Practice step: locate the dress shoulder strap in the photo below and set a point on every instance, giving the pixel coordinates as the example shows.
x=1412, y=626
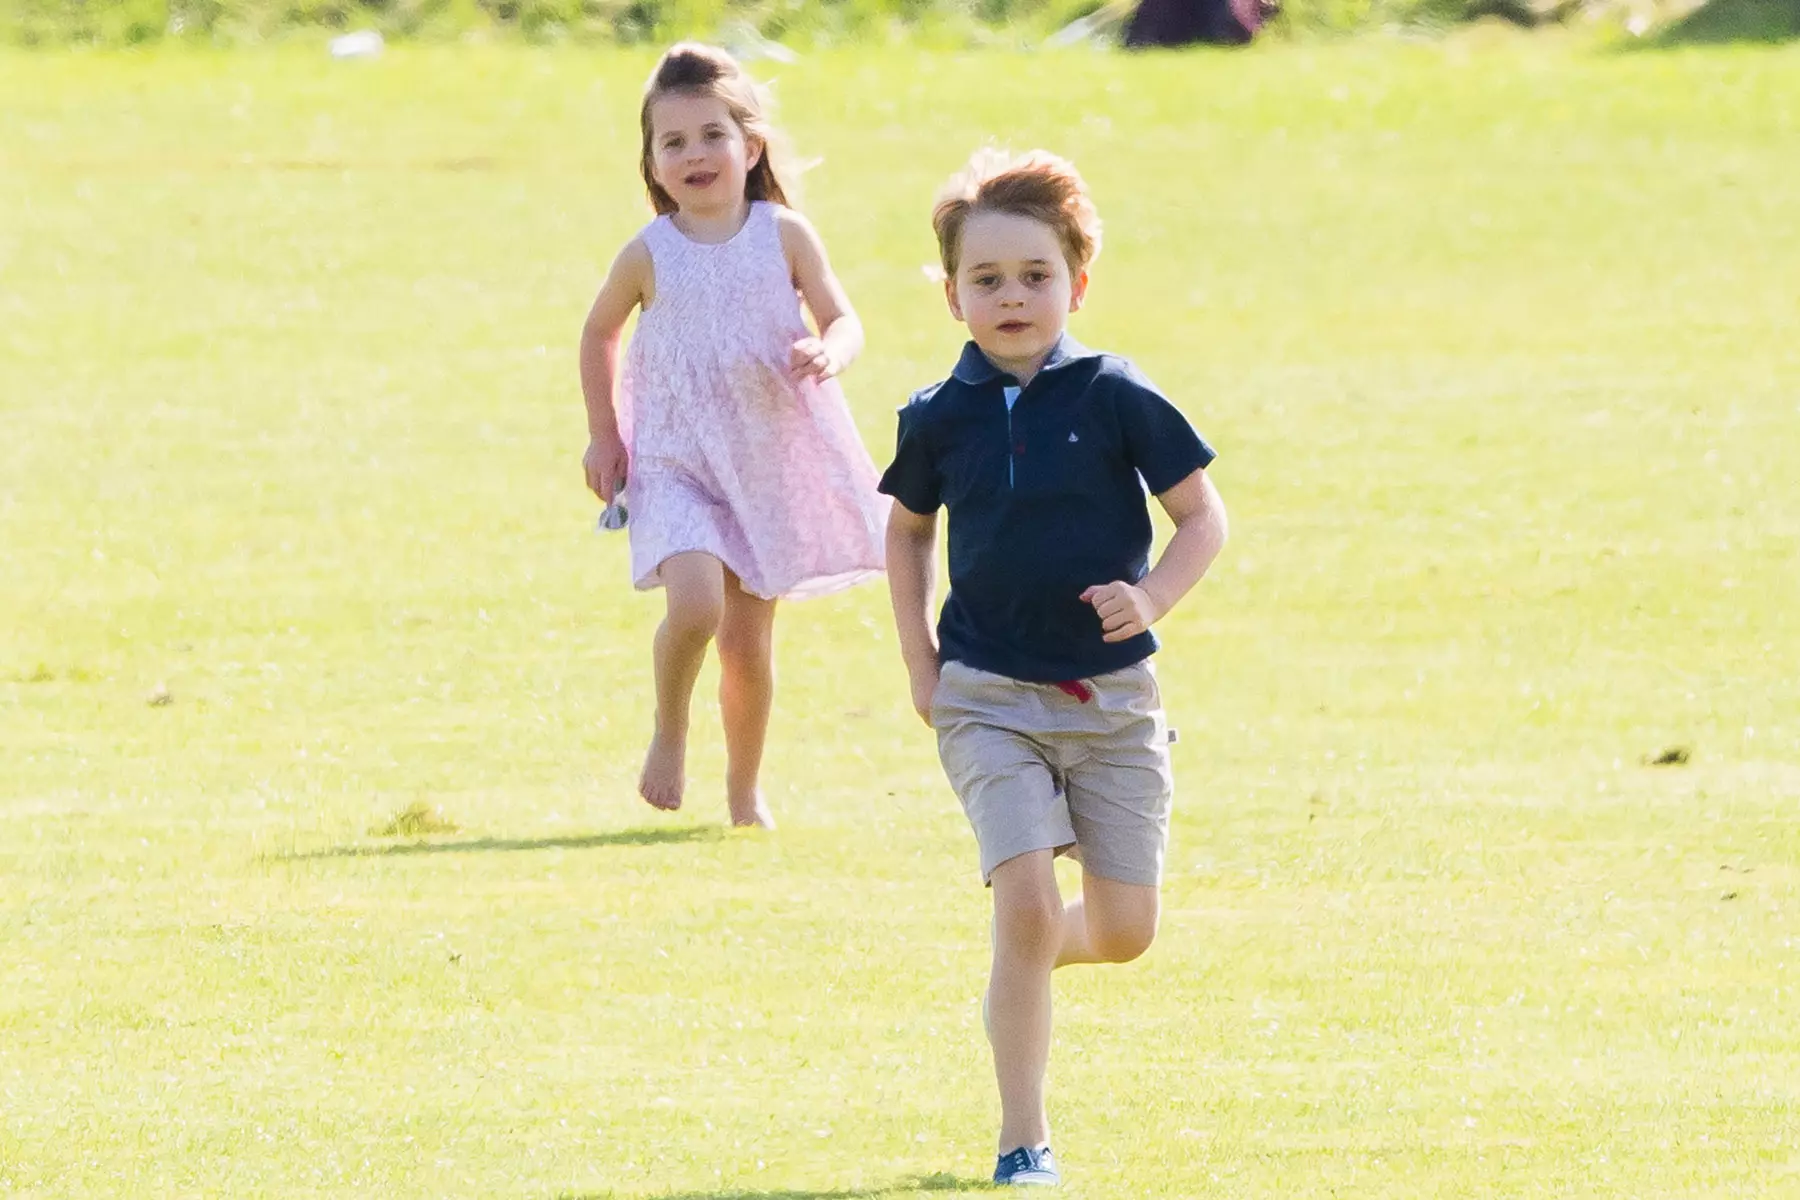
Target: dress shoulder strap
x=765, y=216
x=769, y=213
x=662, y=237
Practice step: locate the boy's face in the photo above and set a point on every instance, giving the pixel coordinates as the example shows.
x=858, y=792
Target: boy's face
x=1013, y=288
x=698, y=153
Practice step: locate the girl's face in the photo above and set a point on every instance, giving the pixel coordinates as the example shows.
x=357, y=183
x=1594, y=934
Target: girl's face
x=1013, y=287
x=698, y=152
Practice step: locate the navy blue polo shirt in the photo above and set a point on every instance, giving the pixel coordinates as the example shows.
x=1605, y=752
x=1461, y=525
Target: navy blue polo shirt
x=1047, y=497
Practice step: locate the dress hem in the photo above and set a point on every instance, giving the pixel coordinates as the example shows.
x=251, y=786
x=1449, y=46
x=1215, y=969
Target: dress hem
x=807, y=588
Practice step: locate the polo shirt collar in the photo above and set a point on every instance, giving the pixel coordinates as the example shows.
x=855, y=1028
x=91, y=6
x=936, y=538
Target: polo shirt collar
x=974, y=367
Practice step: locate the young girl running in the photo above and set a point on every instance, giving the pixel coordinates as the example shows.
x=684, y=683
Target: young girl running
x=748, y=482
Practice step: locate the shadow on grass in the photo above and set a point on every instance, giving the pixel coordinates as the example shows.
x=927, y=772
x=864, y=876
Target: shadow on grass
x=648, y=836
x=920, y=1183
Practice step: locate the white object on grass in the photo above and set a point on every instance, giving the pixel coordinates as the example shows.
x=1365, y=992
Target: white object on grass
x=1098, y=28
x=365, y=43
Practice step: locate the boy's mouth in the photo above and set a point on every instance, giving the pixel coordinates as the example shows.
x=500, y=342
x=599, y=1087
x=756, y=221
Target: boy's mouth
x=1013, y=327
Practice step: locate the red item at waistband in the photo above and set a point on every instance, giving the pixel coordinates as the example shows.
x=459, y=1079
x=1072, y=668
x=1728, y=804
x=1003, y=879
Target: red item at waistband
x=1077, y=689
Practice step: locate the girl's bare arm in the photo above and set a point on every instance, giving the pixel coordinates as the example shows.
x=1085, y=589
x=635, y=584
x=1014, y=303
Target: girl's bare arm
x=627, y=286
x=840, y=337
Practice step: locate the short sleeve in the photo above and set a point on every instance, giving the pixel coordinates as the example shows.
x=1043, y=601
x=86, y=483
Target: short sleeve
x=913, y=478
x=1159, y=441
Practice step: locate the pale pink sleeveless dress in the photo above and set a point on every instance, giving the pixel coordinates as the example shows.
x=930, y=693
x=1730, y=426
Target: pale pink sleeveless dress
x=728, y=455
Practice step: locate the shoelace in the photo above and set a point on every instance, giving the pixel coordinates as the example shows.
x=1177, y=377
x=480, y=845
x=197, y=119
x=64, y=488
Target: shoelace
x=1022, y=1159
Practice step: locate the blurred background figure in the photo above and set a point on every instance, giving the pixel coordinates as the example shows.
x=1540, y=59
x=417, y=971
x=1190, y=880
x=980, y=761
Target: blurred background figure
x=1186, y=22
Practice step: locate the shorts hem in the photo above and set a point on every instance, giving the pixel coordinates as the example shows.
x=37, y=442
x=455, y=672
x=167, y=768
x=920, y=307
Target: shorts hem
x=1122, y=873
x=1026, y=846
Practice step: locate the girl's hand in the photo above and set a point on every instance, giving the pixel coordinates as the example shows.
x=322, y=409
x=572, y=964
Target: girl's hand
x=812, y=359
x=605, y=464
x=1124, y=609
x=924, y=680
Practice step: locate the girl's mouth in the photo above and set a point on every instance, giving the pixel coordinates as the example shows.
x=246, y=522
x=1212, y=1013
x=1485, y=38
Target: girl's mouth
x=700, y=179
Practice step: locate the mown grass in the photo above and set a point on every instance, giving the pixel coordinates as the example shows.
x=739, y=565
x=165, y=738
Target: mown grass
x=1497, y=341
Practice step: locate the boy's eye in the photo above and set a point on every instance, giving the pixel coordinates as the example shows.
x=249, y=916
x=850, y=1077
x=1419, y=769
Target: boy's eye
x=987, y=281
x=1036, y=278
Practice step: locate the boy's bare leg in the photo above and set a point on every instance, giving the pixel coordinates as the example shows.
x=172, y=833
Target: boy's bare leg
x=1028, y=932
x=695, y=585
x=746, y=694
x=1110, y=922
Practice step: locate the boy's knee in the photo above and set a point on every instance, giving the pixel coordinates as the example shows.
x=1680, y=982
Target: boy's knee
x=1123, y=942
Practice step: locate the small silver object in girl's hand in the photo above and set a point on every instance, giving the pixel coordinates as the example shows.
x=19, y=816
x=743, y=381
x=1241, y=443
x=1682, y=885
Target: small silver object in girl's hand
x=615, y=515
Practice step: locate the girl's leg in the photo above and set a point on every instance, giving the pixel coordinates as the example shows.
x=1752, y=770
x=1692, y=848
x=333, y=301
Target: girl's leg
x=746, y=693
x=1110, y=922
x=695, y=585
x=1028, y=931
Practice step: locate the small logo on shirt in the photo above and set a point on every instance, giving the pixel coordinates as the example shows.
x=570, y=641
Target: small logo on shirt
x=1073, y=437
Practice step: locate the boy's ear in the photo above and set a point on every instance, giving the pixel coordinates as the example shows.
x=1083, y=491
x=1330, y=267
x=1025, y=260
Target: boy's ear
x=1078, y=291
x=950, y=297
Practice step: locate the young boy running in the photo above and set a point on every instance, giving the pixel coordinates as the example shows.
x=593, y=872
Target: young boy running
x=1037, y=680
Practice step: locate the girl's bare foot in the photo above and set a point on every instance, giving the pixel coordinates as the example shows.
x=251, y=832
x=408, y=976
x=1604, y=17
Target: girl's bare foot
x=751, y=811
x=665, y=773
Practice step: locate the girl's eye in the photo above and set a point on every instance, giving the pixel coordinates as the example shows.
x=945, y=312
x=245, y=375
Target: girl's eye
x=714, y=135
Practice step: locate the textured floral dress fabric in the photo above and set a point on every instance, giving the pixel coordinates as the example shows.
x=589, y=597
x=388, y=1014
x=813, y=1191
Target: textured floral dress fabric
x=729, y=455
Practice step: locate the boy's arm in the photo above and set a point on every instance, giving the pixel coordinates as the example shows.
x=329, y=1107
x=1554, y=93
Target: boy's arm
x=840, y=337
x=1195, y=506
x=605, y=462
x=912, y=585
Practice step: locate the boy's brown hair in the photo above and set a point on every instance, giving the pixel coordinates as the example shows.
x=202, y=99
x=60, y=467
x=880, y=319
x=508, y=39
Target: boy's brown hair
x=1036, y=184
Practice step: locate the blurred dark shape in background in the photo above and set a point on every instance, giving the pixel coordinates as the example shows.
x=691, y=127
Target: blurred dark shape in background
x=1187, y=22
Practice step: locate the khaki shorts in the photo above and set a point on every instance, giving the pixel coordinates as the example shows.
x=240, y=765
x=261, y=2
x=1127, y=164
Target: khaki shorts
x=1039, y=769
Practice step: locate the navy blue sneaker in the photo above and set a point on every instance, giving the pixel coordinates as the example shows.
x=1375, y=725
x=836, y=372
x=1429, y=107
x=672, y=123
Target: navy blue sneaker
x=1028, y=1167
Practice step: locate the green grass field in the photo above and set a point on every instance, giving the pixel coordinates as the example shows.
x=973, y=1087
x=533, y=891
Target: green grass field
x=1498, y=341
